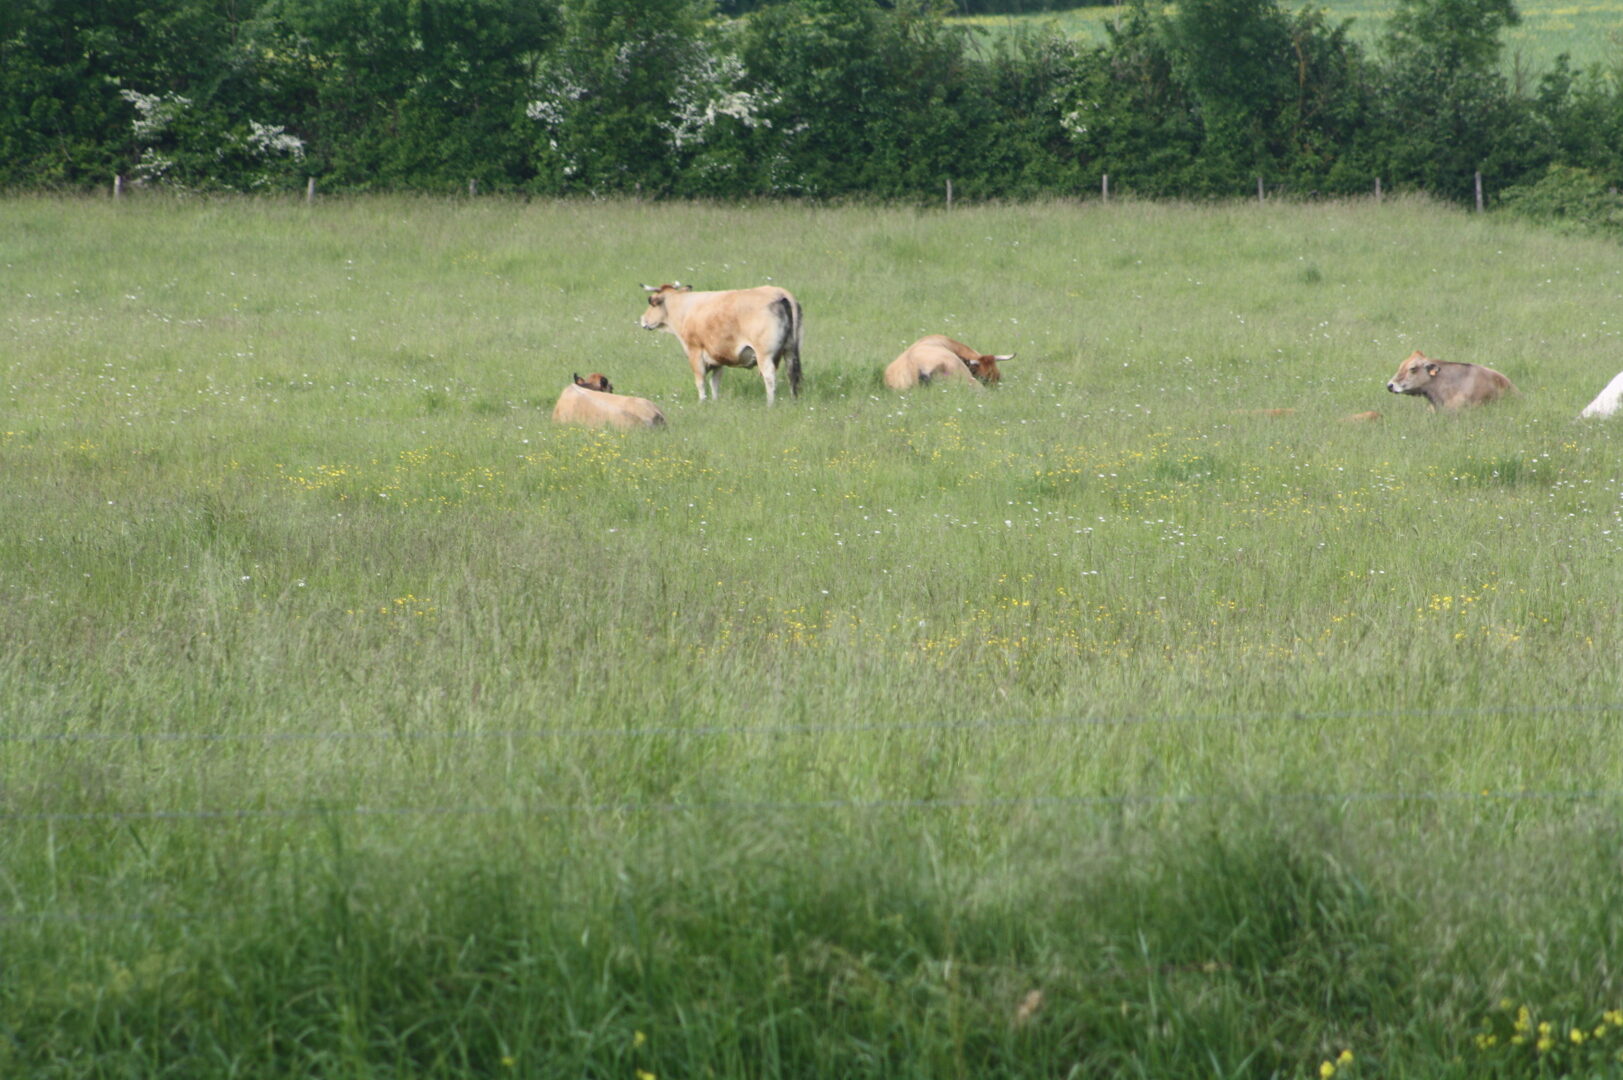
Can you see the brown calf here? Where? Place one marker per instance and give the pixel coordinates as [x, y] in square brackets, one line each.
[937, 357]
[1447, 385]
[757, 327]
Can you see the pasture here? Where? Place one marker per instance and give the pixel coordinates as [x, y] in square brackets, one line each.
[1590, 33]
[356, 721]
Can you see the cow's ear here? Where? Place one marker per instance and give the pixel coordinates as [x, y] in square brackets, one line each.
[650, 288]
[1432, 368]
[578, 379]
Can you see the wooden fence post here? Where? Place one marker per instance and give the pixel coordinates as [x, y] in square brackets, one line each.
[1377, 189]
[949, 193]
[1104, 188]
[1259, 189]
[118, 186]
[473, 187]
[1479, 191]
[310, 190]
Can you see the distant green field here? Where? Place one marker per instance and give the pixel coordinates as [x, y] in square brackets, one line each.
[357, 721]
[1591, 33]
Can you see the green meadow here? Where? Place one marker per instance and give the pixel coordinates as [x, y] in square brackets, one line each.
[1590, 33]
[357, 721]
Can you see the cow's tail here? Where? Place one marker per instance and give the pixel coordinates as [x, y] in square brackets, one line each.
[788, 309]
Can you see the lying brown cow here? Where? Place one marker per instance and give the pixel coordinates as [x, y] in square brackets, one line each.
[1448, 385]
[936, 357]
[757, 327]
[591, 402]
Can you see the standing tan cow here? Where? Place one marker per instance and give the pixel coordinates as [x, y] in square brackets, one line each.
[1447, 385]
[938, 357]
[591, 402]
[757, 327]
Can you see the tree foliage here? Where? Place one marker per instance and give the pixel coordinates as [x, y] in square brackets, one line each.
[820, 98]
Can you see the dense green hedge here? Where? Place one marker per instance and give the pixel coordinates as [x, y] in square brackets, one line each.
[823, 98]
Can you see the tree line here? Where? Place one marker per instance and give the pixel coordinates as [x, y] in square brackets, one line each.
[794, 98]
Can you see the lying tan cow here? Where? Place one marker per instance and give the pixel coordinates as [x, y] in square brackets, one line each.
[936, 357]
[1447, 385]
[591, 402]
[757, 327]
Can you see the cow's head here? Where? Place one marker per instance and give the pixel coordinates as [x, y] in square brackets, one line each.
[985, 369]
[594, 381]
[656, 316]
[1413, 374]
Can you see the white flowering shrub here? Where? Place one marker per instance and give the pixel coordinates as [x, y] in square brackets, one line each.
[269, 141]
[184, 146]
[709, 89]
[645, 95]
[155, 113]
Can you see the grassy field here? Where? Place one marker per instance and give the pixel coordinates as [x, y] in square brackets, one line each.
[1590, 33]
[356, 721]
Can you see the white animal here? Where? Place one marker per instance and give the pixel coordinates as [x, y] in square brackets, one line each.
[1608, 401]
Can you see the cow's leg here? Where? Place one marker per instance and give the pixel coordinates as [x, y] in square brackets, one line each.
[769, 375]
[696, 362]
[714, 375]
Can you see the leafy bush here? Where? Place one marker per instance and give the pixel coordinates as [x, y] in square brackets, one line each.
[821, 98]
[1569, 198]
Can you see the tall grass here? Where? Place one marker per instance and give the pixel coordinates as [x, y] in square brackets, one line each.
[358, 721]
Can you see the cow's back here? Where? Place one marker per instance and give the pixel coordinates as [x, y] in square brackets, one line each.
[593, 408]
[1473, 384]
[929, 359]
[724, 322]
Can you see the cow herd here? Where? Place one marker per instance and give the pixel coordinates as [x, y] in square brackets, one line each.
[761, 328]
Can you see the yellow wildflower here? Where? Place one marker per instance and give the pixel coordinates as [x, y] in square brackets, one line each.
[638, 1038]
[644, 1074]
[1506, 1004]
[508, 1061]
[1345, 1058]
[1600, 1031]
[1614, 1017]
[1544, 1044]
[1544, 1027]
[1577, 1036]
[1327, 1070]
